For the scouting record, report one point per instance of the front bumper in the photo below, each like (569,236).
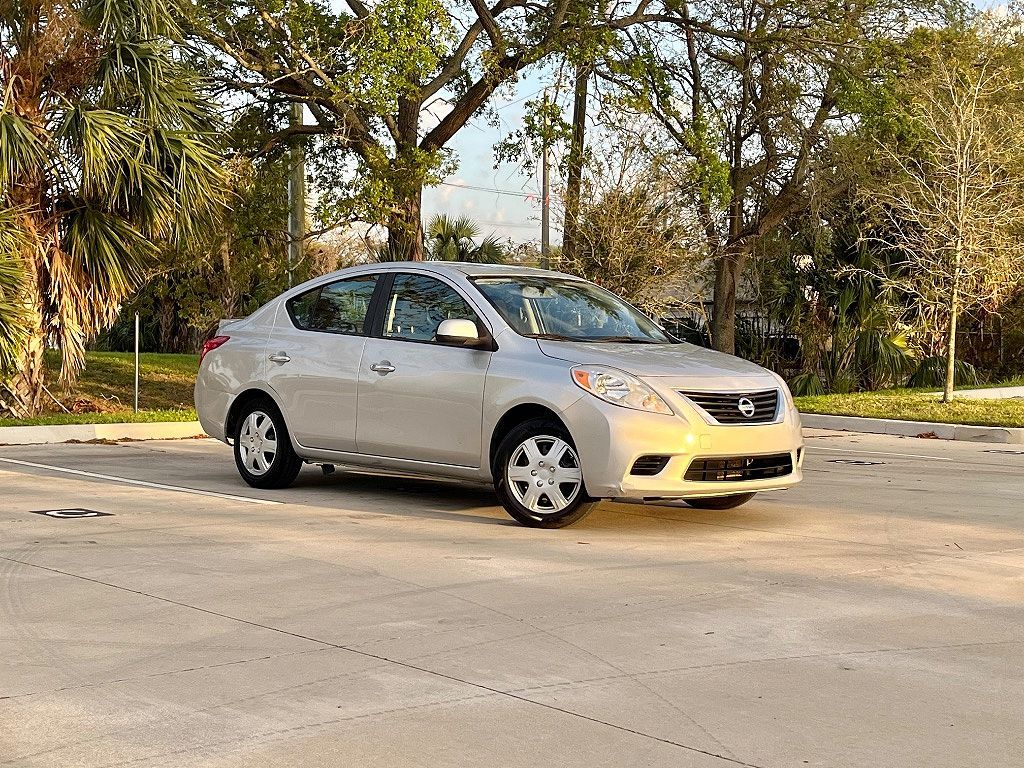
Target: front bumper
(611,438)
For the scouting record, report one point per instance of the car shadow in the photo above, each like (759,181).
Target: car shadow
(379,494)
(386,494)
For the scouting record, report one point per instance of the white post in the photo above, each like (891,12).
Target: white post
(136,362)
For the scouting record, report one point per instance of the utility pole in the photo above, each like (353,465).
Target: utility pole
(545,205)
(296,193)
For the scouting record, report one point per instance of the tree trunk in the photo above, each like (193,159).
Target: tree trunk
(947,391)
(25,390)
(405,229)
(728,269)
(167,321)
(574,178)
(229,295)
(954,309)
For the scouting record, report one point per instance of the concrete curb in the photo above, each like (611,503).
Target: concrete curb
(1008,435)
(158,430)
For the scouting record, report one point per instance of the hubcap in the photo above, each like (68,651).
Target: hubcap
(544,474)
(257,443)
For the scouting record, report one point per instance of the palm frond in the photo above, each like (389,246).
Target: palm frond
(932,373)
(143,78)
(131,19)
(490,251)
(21,151)
(191,164)
(99,263)
(804,384)
(109,148)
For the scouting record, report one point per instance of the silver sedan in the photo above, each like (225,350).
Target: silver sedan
(550,387)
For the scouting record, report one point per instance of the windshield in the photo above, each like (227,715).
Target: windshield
(567,310)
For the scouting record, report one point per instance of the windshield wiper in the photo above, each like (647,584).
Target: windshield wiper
(552,337)
(624,340)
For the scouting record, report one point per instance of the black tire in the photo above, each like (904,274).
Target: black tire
(579,505)
(284,466)
(720,502)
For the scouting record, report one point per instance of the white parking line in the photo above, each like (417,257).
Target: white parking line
(882,453)
(143,483)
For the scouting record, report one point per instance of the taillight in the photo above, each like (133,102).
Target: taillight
(211,345)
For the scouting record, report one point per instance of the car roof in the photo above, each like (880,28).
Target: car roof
(454,268)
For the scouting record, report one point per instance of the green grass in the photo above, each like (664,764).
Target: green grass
(110,417)
(918,405)
(105,392)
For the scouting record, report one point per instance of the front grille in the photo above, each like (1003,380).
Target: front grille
(738,407)
(649,465)
(736,468)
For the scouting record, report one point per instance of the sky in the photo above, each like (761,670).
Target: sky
(504,201)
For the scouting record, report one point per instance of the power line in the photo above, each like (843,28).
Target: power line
(509,224)
(513,193)
(517,101)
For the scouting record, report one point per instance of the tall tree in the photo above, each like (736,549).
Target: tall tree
(950,194)
(389,83)
(747,108)
(104,152)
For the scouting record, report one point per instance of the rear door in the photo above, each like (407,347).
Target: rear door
(313,359)
(419,399)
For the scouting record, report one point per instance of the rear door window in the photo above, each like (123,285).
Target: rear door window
(301,307)
(339,307)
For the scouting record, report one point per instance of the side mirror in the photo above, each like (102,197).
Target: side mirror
(459,333)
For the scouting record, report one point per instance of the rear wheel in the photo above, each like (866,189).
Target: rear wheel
(538,476)
(263,451)
(720,502)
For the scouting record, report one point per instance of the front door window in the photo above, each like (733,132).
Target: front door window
(417,306)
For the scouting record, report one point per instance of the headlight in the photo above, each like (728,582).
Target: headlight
(619,388)
(787,396)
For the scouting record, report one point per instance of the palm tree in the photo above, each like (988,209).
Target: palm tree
(451,239)
(104,155)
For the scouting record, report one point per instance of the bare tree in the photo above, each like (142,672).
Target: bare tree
(953,207)
(632,236)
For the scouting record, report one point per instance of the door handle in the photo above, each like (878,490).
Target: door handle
(384,367)
(279,357)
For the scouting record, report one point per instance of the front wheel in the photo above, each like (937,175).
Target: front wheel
(720,502)
(263,451)
(538,477)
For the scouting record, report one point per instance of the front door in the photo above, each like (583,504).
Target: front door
(313,361)
(419,399)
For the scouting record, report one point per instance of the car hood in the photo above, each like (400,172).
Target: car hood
(682,361)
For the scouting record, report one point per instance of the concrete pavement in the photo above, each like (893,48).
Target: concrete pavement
(873,616)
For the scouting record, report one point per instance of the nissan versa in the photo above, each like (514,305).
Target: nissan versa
(557,391)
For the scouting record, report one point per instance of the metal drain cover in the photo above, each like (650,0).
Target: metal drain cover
(68,514)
